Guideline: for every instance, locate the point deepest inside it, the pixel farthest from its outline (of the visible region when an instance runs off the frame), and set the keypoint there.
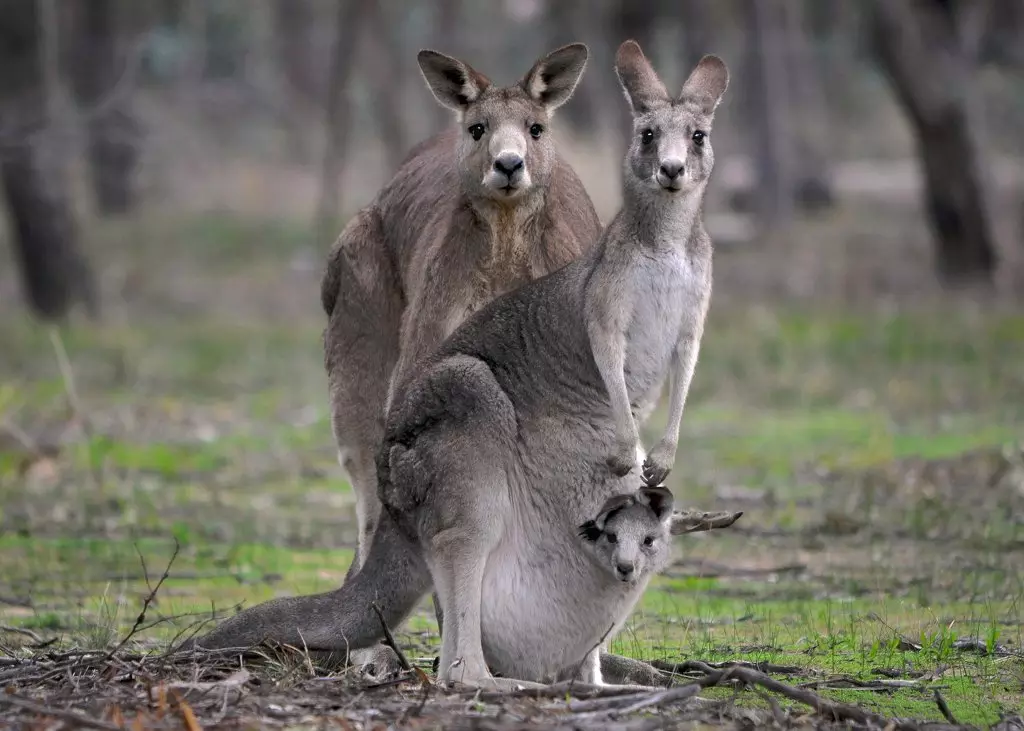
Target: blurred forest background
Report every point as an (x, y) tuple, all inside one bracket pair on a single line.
[(866, 150)]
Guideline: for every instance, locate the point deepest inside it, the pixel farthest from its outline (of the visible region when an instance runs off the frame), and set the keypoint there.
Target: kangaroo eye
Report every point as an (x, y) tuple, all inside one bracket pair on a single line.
[(698, 138), (649, 541), (477, 130), (647, 136), (536, 130), (612, 538)]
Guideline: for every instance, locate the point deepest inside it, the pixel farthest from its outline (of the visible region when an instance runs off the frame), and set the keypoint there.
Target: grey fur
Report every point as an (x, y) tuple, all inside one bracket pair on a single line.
[(498, 448)]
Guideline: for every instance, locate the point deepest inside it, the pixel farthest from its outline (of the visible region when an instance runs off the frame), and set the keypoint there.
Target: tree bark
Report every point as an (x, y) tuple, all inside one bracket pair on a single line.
[(812, 187), (447, 15), (385, 75), (564, 22), (54, 273), (112, 131), (930, 66), (349, 20), (770, 100), (294, 21)]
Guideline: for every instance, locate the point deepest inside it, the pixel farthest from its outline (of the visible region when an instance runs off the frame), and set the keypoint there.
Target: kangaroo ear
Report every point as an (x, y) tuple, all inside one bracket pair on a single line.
[(707, 83), (553, 78), (454, 83), (643, 88), (611, 506), (658, 499)]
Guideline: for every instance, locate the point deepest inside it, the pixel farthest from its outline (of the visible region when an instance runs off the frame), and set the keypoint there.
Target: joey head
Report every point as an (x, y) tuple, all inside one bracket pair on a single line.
[(495, 450), (631, 536)]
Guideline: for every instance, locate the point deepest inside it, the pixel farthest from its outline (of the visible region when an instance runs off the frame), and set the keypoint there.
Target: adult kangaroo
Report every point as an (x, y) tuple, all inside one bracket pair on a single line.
[(472, 213), (517, 430)]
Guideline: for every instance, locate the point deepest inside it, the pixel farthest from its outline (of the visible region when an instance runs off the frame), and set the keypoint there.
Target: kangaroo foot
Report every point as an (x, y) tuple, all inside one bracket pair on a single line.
[(617, 670), (377, 664), (502, 685)]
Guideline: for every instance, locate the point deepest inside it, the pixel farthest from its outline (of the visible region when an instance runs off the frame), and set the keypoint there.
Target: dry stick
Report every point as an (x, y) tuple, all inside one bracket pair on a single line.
[(68, 377), (389, 639), (830, 709), (695, 521), (69, 716), (22, 631), (147, 601), (944, 709)]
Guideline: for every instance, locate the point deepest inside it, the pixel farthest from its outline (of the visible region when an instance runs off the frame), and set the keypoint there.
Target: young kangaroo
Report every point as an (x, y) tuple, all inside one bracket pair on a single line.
[(499, 448), (631, 539), (472, 213)]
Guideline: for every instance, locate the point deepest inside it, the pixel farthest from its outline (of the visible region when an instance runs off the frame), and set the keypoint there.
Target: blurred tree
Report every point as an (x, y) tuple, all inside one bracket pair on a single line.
[(293, 24), (384, 71), (568, 22), (770, 104), (929, 58), (99, 66), (812, 187), (54, 273), (349, 18), (447, 18)]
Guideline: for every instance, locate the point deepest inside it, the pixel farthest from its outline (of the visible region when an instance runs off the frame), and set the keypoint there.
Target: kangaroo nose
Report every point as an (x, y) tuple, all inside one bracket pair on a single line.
[(507, 163), (672, 168), (625, 568)]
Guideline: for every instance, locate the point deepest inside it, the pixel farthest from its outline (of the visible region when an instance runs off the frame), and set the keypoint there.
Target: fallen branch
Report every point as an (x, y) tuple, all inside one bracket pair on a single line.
[(695, 521), (22, 631), (943, 708), (389, 639), (691, 666), (148, 600), (69, 716)]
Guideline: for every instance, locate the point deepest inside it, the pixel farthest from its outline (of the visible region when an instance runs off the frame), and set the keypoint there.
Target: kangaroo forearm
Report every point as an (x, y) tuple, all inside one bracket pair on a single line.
[(684, 365), (610, 365)]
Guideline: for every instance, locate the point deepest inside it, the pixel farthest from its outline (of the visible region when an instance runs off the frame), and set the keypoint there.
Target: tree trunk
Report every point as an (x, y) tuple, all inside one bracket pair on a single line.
[(112, 132), (349, 20), (447, 15), (812, 187), (53, 271), (770, 102), (564, 22), (384, 72), (930, 68), (294, 22), (636, 20)]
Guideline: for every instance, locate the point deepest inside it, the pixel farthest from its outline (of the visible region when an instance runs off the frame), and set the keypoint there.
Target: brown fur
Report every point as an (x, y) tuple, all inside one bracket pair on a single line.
[(437, 243)]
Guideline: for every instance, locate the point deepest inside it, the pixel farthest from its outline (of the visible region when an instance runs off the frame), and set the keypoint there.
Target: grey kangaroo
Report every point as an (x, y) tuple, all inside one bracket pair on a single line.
[(520, 426), (472, 213)]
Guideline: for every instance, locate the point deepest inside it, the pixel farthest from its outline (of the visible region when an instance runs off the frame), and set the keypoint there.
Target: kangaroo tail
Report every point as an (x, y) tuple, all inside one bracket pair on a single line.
[(394, 577)]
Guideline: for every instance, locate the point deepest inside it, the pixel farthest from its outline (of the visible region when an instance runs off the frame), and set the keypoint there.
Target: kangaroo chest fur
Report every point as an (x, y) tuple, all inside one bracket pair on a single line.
[(667, 292), (504, 241)]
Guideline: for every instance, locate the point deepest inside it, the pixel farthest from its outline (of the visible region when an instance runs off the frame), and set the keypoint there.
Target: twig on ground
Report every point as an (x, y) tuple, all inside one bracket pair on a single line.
[(22, 631), (14, 601), (147, 601), (389, 639), (689, 666), (695, 521), (943, 708), (70, 716)]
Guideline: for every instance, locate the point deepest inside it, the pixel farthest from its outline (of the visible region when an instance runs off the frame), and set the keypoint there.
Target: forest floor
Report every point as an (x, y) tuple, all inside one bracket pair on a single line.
[(876, 453)]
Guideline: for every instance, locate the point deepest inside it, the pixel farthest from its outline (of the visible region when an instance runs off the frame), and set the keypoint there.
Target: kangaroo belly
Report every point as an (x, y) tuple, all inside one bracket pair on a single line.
[(545, 607)]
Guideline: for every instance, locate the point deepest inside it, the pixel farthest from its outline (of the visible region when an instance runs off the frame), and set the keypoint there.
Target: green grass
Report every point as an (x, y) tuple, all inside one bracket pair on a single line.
[(866, 449)]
